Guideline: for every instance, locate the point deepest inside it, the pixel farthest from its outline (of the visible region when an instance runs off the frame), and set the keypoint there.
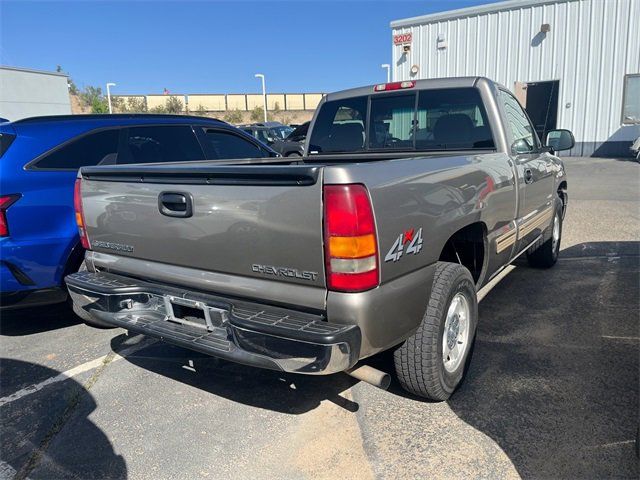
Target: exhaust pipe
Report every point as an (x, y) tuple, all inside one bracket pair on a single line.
[(371, 375)]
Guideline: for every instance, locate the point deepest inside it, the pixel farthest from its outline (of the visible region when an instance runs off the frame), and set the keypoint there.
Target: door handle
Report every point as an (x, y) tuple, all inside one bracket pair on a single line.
[(175, 204), (528, 175)]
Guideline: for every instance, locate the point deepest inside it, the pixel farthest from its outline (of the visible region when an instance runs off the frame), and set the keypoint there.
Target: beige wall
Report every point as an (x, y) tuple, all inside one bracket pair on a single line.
[(254, 101), (236, 102), (311, 100), (295, 101), (274, 98), (211, 103), (242, 102), (154, 101)]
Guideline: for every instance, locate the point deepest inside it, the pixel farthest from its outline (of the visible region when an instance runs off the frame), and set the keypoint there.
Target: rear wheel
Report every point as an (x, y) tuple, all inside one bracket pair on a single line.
[(433, 361), (293, 154), (546, 255), (85, 316)]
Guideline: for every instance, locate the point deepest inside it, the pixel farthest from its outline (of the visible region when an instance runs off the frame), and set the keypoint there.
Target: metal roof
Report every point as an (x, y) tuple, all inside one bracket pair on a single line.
[(472, 11), (30, 70)]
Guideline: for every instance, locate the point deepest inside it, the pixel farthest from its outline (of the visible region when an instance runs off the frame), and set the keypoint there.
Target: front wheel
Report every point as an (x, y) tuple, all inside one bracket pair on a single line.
[(433, 361), (546, 255)]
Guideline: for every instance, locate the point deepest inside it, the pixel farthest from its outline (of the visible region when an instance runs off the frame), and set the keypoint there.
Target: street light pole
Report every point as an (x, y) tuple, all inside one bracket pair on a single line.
[(109, 85), (264, 94), (388, 67)]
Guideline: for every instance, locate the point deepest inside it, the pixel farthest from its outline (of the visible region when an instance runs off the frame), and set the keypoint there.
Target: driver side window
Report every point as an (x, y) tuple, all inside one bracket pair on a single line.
[(525, 139)]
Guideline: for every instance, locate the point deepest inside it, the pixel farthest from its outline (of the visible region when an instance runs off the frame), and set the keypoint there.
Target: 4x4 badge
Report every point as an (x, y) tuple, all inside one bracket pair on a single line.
[(413, 238)]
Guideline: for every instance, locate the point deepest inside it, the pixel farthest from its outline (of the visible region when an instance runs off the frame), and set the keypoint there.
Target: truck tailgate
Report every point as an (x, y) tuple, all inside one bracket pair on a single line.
[(247, 220)]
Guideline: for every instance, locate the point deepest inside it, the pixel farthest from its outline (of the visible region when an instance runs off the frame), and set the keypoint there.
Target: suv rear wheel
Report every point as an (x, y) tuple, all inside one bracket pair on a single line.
[(433, 361)]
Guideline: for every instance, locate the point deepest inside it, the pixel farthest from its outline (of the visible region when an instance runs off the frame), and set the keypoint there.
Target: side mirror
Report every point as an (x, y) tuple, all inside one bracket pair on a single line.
[(521, 146), (560, 139)]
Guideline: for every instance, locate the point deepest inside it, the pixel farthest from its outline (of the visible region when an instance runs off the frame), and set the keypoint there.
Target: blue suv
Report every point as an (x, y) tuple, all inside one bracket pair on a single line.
[(39, 160)]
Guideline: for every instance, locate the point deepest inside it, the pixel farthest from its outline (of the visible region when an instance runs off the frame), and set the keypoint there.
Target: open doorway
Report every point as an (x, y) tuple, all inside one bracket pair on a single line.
[(540, 100)]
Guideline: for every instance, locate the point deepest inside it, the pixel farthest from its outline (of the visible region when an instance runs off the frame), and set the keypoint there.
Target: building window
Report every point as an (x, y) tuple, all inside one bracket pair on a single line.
[(631, 99)]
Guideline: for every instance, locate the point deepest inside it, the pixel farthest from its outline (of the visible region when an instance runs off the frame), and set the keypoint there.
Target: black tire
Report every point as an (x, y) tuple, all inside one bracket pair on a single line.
[(293, 154), (85, 316), (546, 255), (419, 360)]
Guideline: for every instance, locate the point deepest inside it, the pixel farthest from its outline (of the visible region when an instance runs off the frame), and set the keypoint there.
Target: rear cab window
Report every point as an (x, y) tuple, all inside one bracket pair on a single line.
[(429, 119)]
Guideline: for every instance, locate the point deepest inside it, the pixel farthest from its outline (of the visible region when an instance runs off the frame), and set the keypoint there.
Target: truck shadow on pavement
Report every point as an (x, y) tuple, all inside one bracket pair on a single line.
[(554, 375), (47, 433), (267, 389)]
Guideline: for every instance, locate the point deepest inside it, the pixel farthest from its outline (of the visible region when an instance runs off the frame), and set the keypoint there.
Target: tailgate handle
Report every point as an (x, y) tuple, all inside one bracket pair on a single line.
[(175, 204)]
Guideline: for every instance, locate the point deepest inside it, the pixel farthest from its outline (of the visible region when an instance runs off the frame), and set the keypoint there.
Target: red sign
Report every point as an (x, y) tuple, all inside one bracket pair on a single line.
[(402, 39)]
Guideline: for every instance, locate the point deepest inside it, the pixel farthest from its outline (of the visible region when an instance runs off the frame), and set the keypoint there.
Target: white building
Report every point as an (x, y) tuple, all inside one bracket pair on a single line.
[(29, 93), (572, 63)]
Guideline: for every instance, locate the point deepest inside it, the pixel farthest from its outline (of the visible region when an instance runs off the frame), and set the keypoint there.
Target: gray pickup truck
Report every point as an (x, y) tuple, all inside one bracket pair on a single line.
[(412, 195)]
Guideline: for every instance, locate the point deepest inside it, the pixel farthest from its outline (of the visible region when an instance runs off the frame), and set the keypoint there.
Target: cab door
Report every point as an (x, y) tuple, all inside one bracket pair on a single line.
[(534, 170)]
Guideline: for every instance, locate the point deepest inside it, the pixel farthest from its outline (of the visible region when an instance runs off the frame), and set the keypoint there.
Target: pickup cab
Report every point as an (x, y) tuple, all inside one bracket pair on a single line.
[(411, 196)]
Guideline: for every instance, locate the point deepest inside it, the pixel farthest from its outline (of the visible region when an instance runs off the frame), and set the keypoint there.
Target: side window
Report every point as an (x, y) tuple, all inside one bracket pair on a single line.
[(100, 148), (452, 118), (339, 126), (166, 143), (225, 145), (524, 138)]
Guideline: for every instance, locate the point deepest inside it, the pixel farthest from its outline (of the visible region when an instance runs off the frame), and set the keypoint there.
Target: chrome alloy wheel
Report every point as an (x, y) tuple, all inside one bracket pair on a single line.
[(455, 338), (555, 237)]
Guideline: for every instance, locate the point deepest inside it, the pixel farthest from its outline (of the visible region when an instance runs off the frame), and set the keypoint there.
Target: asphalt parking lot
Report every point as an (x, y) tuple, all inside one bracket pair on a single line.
[(552, 391)]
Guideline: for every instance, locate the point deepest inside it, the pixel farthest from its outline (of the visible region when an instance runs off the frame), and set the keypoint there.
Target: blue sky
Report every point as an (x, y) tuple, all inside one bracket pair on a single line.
[(208, 46)]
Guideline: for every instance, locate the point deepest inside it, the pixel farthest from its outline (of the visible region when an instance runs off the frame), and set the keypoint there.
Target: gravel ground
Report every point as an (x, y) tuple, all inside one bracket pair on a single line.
[(552, 391)]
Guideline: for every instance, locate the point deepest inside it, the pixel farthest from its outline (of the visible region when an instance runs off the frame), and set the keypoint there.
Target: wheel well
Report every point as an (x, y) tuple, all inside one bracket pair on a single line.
[(467, 247)]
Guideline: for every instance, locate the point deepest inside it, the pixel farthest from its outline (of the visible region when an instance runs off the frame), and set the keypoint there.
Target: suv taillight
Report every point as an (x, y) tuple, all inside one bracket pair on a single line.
[(5, 202), (351, 248), (77, 205)]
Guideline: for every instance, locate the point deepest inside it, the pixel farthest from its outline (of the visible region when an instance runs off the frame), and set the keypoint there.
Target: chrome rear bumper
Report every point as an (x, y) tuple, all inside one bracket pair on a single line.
[(243, 332)]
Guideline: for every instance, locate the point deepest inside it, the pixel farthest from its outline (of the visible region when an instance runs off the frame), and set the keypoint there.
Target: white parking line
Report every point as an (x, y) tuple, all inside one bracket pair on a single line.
[(85, 367)]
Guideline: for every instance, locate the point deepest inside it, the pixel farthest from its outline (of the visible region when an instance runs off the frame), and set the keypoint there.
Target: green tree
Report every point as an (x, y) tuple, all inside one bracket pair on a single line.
[(73, 89), (257, 114), (233, 116), (136, 105), (92, 97), (174, 105), (201, 111), (158, 109)]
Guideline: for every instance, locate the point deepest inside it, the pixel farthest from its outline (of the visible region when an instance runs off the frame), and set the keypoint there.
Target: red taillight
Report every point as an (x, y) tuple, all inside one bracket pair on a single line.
[(5, 202), (351, 248), (386, 87), (77, 206)]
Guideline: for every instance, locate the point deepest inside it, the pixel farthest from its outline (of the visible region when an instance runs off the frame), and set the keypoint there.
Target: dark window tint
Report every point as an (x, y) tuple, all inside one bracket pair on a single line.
[(299, 134), (223, 145), (100, 148), (161, 144), (450, 119), (6, 139), (339, 126), (391, 123)]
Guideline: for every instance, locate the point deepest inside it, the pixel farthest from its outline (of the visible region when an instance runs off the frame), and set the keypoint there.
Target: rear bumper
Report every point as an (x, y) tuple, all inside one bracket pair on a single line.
[(243, 332)]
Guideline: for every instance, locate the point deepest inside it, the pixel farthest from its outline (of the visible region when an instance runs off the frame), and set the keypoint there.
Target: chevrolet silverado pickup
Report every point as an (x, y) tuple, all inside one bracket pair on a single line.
[(410, 197)]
